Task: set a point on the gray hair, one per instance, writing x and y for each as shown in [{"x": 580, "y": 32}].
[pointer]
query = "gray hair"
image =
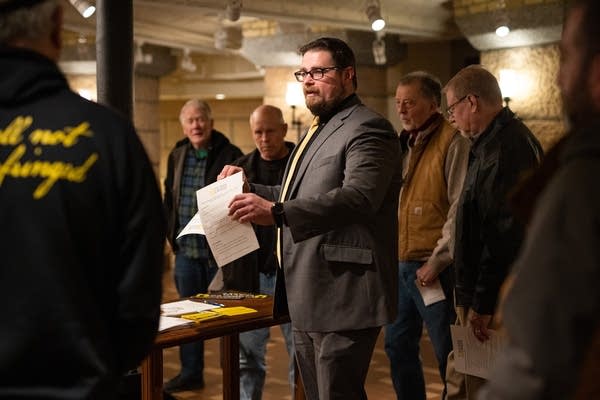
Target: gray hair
[
  {"x": 430, "y": 85},
  {"x": 30, "y": 23},
  {"x": 476, "y": 80},
  {"x": 197, "y": 104}
]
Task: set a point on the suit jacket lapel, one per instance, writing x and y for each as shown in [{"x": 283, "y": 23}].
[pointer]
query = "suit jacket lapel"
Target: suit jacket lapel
[{"x": 335, "y": 123}]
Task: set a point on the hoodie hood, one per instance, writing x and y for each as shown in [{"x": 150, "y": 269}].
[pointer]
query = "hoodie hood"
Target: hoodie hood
[{"x": 27, "y": 75}]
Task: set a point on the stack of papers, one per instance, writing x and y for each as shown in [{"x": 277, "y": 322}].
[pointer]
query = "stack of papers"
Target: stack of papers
[
  {"x": 181, "y": 307},
  {"x": 171, "y": 322},
  {"x": 170, "y": 313},
  {"x": 185, "y": 312}
]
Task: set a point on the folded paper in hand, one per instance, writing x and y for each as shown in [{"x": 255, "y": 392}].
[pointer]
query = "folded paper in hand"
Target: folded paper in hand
[{"x": 228, "y": 239}]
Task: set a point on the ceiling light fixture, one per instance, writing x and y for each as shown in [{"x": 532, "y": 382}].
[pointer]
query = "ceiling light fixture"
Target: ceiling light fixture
[
  {"x": 379, "y": 50},
  {"x": 502, "y": 30},
  {"x": 373, "y": 12},
  {"x": 187, "y": 64},
  {"x": 233, "y": 10},
  {"x": 85, "y": 8}
]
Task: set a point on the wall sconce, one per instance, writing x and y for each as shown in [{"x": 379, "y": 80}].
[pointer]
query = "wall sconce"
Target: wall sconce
[
  {"x": 233, "y": 10},
  {"x": 294, "y": 96},
  {"x": 84, "y": 7},
  {"x": 373, "y": 12},
  {"x": 516, "y": 84},
  {"x": 507, "y": 82},
  {"x": 379, "y": 50},
  {"x": 187, "y": 64}
]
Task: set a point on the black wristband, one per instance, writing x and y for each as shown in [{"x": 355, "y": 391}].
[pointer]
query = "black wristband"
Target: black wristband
[{"x": 278, "y": 214}]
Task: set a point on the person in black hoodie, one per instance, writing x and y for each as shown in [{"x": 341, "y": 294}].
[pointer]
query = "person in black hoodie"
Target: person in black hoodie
[
  {"x": 82, "y": 230},
  {"x": 194, "y": 163}
]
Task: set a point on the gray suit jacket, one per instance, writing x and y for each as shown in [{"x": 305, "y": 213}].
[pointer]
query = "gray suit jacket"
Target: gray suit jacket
[{"x": 339, "y": 249}]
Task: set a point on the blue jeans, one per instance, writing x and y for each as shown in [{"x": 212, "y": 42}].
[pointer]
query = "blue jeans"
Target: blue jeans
[
  {"x": 403, "y": 335},
  {"x": 192, "y": 276},
  {"x": 253, "y": 346}
]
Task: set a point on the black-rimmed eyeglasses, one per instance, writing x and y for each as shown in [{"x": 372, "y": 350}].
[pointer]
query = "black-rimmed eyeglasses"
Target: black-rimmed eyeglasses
[{"x": 315, "y": 73}]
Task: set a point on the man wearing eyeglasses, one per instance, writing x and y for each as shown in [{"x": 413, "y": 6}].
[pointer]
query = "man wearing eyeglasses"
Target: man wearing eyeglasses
[
  {"x": 336, "y": 213},
  {"x": 487, "y": 236},
  {"x": 434, "y": 164}
]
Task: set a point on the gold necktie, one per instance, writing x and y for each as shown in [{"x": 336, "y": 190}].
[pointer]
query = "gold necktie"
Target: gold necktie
[{"x": 291, "y": 172}]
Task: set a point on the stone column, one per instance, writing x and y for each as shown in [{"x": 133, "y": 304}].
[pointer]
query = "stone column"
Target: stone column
[{"x": 151, "y": 63}]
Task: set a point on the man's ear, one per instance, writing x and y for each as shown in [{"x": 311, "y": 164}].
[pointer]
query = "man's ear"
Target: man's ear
[
  {"x": 473, "y": 103},
  {"x": 350, "y": 73}
]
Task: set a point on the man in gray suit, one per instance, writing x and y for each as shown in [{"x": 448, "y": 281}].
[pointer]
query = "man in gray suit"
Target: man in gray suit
[{"x": 336, "y": 213}]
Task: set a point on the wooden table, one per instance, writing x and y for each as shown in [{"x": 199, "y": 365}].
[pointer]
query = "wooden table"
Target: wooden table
[{"x": 227, "y": 328}]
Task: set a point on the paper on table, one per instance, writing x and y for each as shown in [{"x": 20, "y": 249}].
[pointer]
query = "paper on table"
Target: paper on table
[
  {"x": 184, "y": 307},
  {"x": 194, "y": 226},
  {"x": 228, "y": 239},
  {"x": 239, "y": 310},
  {"x": 432, "y": 293},
  {"x": 171, "y": 322},
  {"x": 473, "y": 357}
]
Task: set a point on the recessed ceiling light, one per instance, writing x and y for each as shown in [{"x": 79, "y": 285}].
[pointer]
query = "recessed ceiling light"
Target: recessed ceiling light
[{"x": 502, "y": 31}]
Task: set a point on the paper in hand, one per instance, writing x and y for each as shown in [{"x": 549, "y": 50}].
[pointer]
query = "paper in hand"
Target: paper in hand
[
  {"x": 228, "y": 239},
  {"x": 432, "y": 293}
]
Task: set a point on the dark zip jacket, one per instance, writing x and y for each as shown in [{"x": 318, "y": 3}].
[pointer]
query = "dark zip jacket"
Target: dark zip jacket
[
  {"x": 488, "y": 236},
  {"x": 220, "y": 153},
  {"x": 81, "y": 242}
]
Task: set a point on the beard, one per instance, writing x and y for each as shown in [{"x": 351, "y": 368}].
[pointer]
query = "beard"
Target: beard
[{"x": 320, "y": 107}]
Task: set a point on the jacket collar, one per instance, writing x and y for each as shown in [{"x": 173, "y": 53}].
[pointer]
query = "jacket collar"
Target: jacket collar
[{"x": 26, "y": 76}]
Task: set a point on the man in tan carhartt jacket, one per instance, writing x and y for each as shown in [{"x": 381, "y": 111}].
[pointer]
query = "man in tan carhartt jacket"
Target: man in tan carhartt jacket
[{"x": 433, "y": 169}]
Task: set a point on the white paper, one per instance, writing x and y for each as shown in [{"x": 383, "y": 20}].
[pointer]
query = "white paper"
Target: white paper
[
  {"x": 171, "y": 322},
  {"x": 432, "y": 293},
  {"x": 181, "y": 307},
  {"x": 473, "y": 357},
  {"x": 228, "y": 239},
  {"x": 194, "y": 226}
]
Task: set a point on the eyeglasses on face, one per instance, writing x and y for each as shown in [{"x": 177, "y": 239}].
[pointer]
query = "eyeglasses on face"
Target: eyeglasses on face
[
  {"x": 450, "y": 108},
  {"x": 315, "y": 73}
]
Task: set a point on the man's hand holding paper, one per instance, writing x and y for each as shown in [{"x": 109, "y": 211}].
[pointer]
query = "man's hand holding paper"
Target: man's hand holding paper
[
  {"x": 249, "y": 207},
  {"x": 229, "y": 170},
  {"x": 228, "y": 239}
]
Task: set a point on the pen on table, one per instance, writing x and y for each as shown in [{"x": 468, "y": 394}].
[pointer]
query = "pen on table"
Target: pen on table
[{"x": 213, "y": 303}]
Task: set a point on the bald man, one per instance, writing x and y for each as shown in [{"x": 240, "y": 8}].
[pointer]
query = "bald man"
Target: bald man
[{"x": 256, "y": 271}]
